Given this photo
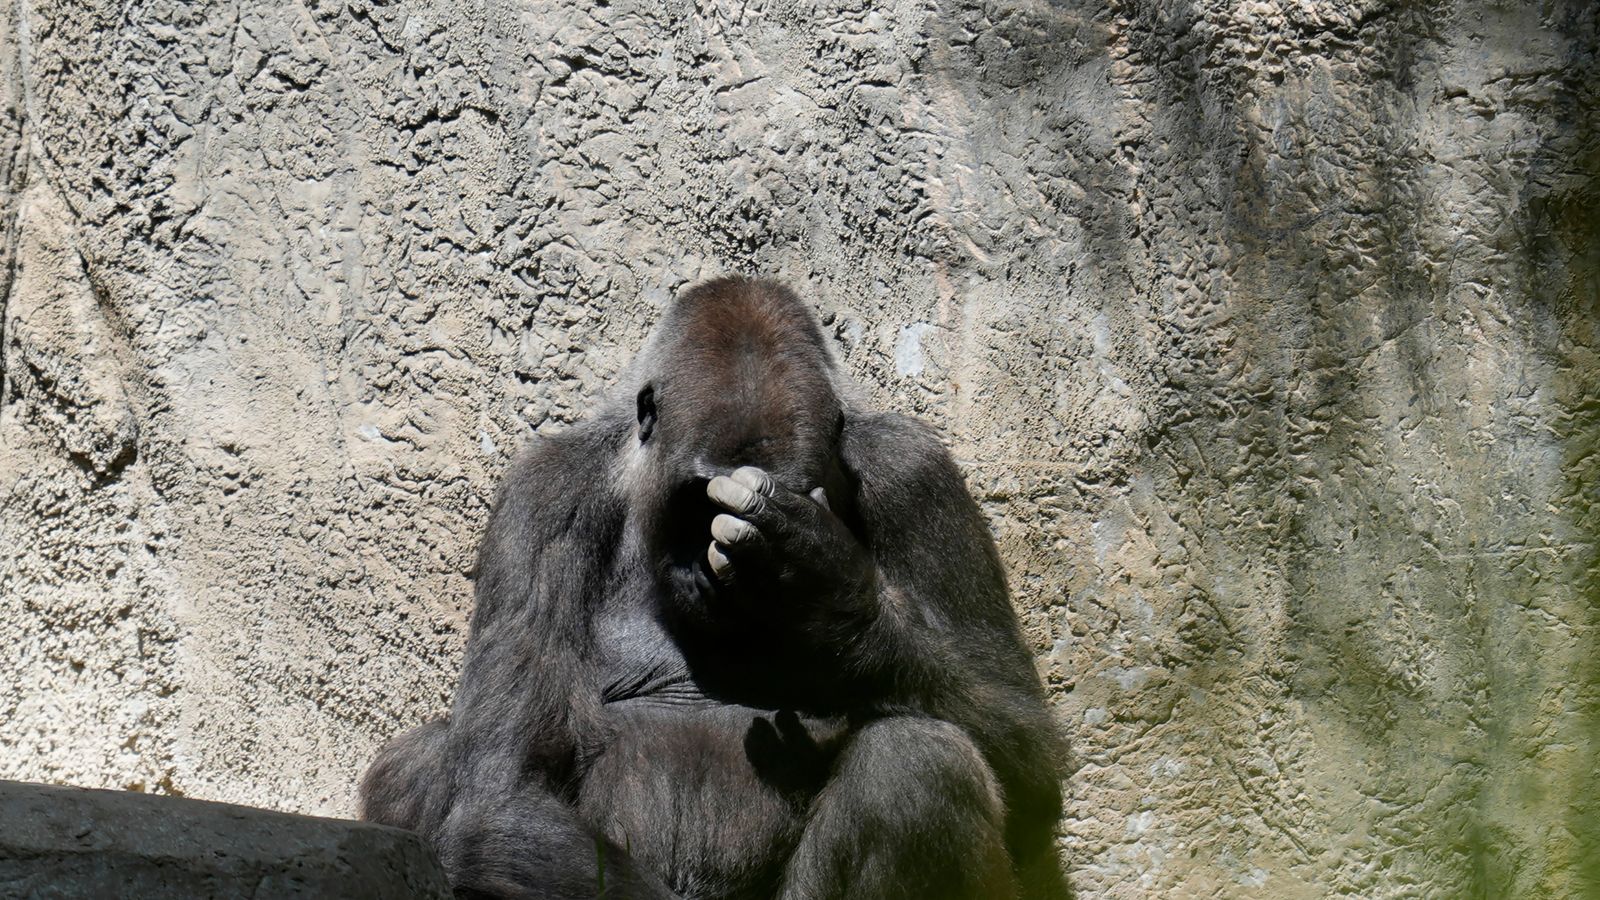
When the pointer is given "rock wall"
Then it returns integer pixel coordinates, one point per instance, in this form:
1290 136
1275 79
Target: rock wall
1265 331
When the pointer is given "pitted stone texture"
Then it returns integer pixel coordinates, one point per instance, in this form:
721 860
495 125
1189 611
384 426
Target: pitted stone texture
66 842
1265 333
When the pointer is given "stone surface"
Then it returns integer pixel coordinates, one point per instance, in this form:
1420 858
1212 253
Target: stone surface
68 842
1265 332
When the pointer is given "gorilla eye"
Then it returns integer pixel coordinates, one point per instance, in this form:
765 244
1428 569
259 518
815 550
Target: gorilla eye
647 412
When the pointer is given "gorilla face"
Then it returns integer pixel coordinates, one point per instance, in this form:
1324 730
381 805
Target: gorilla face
697 429
743 383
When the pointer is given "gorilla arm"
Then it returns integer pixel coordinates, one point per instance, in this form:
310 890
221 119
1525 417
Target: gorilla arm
526 704
947 625
912 605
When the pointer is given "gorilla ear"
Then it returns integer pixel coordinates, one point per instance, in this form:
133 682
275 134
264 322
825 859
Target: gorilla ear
647 412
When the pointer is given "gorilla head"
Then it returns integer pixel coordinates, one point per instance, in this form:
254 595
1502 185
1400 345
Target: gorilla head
737 374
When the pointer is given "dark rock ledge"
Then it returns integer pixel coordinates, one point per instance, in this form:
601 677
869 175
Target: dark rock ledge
65 842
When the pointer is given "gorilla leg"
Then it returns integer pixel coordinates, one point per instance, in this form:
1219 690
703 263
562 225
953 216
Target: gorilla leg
912 811
525 845
397 784
531 846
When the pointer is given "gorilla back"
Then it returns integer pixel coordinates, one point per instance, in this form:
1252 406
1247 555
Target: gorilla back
736 636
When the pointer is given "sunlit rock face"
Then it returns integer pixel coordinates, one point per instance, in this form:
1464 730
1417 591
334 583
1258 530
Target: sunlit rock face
1265 332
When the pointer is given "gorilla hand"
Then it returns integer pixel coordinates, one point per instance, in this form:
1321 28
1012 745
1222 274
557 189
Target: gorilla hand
791 544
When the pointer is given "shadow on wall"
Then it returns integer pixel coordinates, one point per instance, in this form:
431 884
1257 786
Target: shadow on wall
1353 249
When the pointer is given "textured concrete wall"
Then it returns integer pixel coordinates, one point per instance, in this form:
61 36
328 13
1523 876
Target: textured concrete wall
1266 332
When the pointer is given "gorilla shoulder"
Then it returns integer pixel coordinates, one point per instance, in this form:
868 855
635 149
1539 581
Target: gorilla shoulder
568 469
900 465
557 493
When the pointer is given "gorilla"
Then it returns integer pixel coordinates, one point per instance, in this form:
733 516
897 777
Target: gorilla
736 636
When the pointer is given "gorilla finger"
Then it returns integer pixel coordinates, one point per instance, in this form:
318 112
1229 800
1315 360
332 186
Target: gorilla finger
733 496
730 531
756 480
820 496
721 565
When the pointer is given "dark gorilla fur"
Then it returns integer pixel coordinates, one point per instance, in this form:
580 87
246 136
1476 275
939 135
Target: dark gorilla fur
833 700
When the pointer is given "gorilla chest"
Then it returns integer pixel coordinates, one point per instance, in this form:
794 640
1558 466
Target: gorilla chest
711 795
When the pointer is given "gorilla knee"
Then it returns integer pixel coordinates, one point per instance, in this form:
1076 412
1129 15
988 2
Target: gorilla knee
529 845
918 764
913 811
395 789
